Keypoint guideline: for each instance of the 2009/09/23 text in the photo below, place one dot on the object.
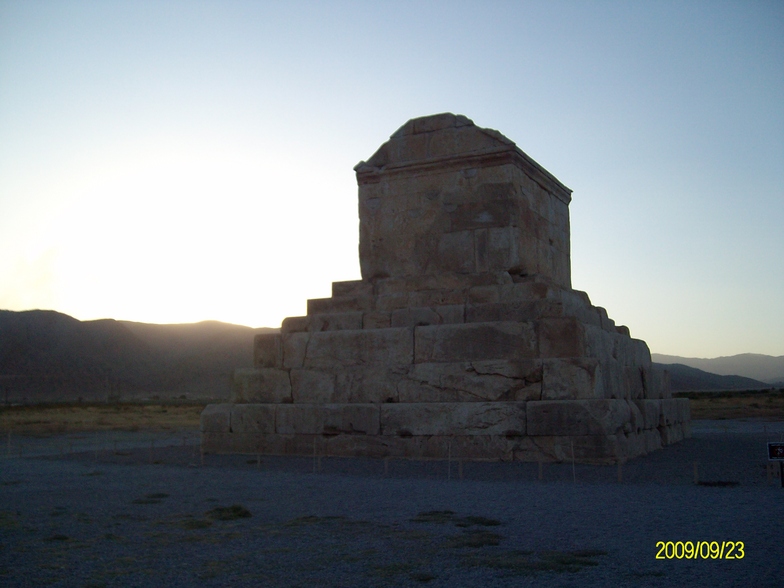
(700, 550)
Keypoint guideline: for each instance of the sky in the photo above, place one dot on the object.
(168, 162)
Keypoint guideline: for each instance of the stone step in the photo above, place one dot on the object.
(255, 437)
(595, 417)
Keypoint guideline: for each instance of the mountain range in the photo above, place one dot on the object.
(765, 368)
(47, 356)
(688, 379)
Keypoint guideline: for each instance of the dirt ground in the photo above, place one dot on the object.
(163, 515)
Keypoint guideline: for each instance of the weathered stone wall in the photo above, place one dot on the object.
(443, 195)
(463, 338)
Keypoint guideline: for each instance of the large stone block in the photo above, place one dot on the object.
(268, 350)
(332, 349)
(642, 355)
(453, 418)
(483, 295)
(261, 385)
(529, 288)
(216, 418)
(635, 382)
(651, 412)
(656, 385)
(352, 419)
(455, 252)
(605, 322)
(327, 419)
(422, 316)
(295, 324)
(373, 383)
(614, 376)
(521, 310)
(315, 386)
(376, 320)
(395, 301)
(338, 321)
(683, 410)
(352, 288)
(561, 337)
(577, 417)
(669, 412)
(413, 317)
(508, 249)
(496, 206)
(294, 347)
(637, 423)
(599, 343)
(572, 378)
(300, 419)
(253, 418)
(339, 304)
(472, 381)
(475, 342)
(577, 304)
(671, 434)
(451, 313)
(436, 298)
(449, 281)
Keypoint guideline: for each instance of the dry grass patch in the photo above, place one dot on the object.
(228, 513)
(48, 420)
(447, 516)
(155, 498)
(764, 404)
(475, 539)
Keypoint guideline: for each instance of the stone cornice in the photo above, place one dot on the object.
(502, 155)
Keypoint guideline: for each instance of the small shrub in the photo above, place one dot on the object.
(481, 521)
(58, 537)
(155, 498)
(228, 513)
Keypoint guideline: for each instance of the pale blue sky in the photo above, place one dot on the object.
(181, 161)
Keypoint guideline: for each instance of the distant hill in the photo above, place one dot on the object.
(765, 368)
(684, 378)
(47, 356)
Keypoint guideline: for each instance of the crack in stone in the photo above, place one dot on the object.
(307, 346)
(291, 385)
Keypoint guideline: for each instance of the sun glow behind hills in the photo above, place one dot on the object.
(203, 224)
(181, 161)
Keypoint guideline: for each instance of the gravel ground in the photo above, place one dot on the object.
(129, 511)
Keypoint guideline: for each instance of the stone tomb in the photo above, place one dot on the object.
(463, 338)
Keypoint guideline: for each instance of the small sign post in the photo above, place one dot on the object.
(776, 453)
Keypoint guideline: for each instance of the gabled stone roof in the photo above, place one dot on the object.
(443, 141)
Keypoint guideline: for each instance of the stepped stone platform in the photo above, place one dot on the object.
(464, 338)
